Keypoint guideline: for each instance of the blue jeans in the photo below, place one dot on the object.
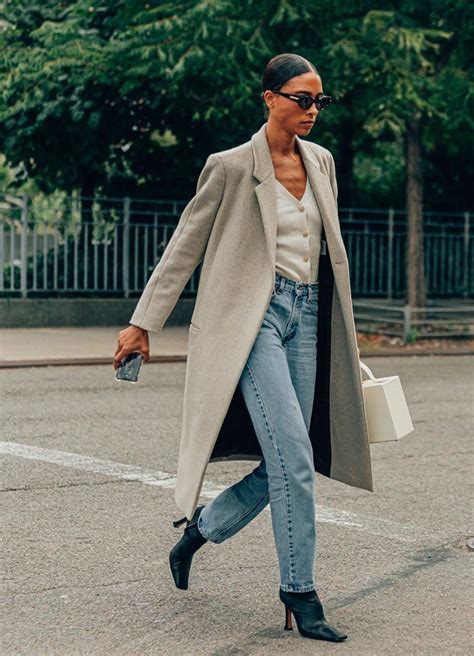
(277, 384)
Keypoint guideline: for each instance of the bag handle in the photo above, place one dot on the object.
(366, 370)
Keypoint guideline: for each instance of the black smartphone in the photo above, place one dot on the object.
(129, 367)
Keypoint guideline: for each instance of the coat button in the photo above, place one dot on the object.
(306, 258)
(306, 233)
(301, 209)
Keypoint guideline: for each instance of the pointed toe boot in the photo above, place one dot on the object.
(309, 615)
(182, 553)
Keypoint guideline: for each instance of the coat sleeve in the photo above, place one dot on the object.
(184, 251)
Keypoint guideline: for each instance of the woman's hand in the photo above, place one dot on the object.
(132, 339)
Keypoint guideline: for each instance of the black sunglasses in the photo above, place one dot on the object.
(305, 101)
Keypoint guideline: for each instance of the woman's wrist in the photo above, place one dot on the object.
(139, 328)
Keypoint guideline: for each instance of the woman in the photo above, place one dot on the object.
(272, 369)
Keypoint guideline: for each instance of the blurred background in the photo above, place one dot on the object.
(109, 109)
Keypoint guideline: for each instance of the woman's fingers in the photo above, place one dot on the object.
(118, 355)
(121, 353)
(132, 339)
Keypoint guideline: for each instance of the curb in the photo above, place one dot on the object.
(61, 362)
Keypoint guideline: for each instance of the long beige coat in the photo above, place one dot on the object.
(230, 226)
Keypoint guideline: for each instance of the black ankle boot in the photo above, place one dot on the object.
(182, 553)
(309, 615)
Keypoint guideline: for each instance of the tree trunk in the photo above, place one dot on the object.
(415, 263)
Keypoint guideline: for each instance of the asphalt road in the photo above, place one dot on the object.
(87, 478)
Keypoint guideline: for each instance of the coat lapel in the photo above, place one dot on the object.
(265, 191)
(320, 184)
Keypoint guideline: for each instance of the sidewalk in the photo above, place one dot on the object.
(26, 347)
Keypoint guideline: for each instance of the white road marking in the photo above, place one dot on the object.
(375, 525)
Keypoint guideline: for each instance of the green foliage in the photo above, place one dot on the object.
(403, 81)
(379, 175)
(130, 97)
(411, 336)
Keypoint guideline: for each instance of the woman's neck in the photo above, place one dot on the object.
(281, 143)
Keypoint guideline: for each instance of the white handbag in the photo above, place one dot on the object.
(386, 409)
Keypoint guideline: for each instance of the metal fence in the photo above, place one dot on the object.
(448, 318)
(110, 246)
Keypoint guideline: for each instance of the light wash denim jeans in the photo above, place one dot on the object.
(278, 383)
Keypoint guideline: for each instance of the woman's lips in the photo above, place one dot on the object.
(308, 123)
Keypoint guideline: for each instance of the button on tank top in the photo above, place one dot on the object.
(298, 234)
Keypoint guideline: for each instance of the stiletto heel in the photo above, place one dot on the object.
(178, 522)
(182, 553)
(288, 625)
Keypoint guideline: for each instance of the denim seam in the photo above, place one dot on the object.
(288, 334)
(285, 479)
(241, 517)
(288, 324)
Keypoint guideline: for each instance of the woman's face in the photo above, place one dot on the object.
(286, 112)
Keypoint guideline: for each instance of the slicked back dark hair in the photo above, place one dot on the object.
(282, 68)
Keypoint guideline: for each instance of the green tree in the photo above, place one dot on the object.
(130, 97)
(410, 87)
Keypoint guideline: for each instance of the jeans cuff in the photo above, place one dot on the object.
(298, 588)
(202, 530)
